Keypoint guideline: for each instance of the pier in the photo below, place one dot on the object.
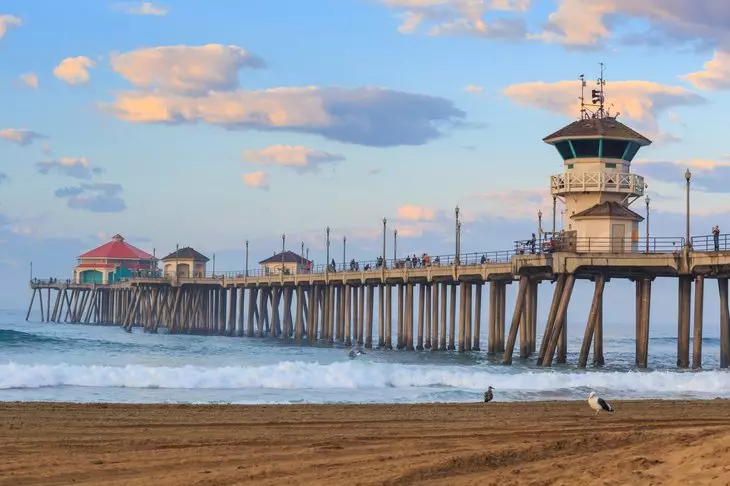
(436, 302)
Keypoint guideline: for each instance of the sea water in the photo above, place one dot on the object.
(83, 363)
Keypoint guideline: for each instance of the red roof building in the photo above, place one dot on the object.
(112, 261)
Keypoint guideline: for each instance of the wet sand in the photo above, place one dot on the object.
(644, 442)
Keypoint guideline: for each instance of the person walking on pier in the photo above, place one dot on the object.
(716, 237)
(532, 243)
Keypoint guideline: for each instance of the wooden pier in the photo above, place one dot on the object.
(437, 307)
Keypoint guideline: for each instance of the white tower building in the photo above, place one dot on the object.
(597, 186)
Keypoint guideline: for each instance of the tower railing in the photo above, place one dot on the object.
(621, 182)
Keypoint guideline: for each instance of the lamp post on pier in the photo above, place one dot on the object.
(177, 257)
(555, 202)
(688, 240)
(327, 261)
(213, 265)
(457, 231)
(283, 249)
(539, 230)
(648, 200)
(385, 227)
(344, 252)
(395, 245)
(247, 258)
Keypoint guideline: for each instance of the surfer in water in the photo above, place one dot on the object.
(355, 352)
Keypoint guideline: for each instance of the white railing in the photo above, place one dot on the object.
(626, 183)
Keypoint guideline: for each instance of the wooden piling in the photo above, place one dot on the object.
(429, 321)
(444, 309)
(722, 285)
(388, 316)
(421, 317)
(598, 338)
(435, 317)
(592, 320)
(493, 316)
(698, 317)
(408, 332)
(468, 312)
(560, 324)
(477, 316)
(400, 339)
(452, 323)
(516, 319)
(381, 315)
(369, 317)
(683, 331)
(557, 294)
(348, 315)
(462, 316)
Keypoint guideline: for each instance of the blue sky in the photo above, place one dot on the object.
(341, 112)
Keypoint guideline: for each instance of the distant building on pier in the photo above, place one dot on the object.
(597, 186)
(290, 261)
(188, 262)
(112, 261)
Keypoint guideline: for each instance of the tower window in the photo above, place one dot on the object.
(614, 149)
(610, 166)
(570, 166)
(564, 149)
(585, 148)
(631, 151)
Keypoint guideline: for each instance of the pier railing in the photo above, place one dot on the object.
(613, 181)
(711, 243)
(657, 244)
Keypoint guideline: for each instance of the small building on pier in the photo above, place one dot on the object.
(113, 261)
(186, 263)
(288, 261)
(597, 186)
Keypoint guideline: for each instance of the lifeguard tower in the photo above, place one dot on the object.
(597, 186)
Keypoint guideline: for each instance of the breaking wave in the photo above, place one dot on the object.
(295, 375)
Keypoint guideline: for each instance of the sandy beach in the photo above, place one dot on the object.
(644, 442)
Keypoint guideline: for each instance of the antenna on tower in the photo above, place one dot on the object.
(598, 95)
(583, 111)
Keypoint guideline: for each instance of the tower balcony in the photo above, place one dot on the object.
(604, 181)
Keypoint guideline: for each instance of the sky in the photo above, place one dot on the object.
(211, 123)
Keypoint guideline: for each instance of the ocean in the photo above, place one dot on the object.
(82, 363)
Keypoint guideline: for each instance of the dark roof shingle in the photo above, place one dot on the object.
(187, 253)
(288, 257)
(598, 127)
(609, 209)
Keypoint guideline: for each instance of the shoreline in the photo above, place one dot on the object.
(556, 442)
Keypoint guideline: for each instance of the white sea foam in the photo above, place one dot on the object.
(293, 375)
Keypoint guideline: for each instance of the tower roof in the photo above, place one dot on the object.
(607, 127)
(187, 253)
(117, 248)
(609, 209)
(286, 257)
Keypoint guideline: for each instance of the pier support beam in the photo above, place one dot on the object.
(468, 312)
(429, 320)
(421, 316)
(493, 316)
(557, 294)
(408, 332)
(699, 314)
(722, 284)
(452, 323)
(369, 317)
(381, 315)
(442, 338)
(683, 321)
(560, 321)
(477, 315)
(388, 316)
(598, 338)
(592, 320)
(400, 339)
(516, 319)
(462, 316)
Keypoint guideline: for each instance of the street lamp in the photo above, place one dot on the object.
(344, 252)
(246, 258)
(688, 176)
(539, 229)
(385, 225)
(283, 249)
(327, 261)
(648, 200)
(456, 232)
(555, 201)
(395, 245)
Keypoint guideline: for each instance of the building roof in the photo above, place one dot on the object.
(111, 266)
(288, 257)
(186, 253)
(609, 209)
(607, 127)
(117, 248)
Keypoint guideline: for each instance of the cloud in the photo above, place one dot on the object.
(74, 70)
(522, 204)
(185, 69)
(97, 197)
(415, 213)
(716, 73)
(8, 21)
(641, 101)
(141, 8)
(257, 180)
(29, 79)
(3, 178)
(461, 17)
(300, 158)
(20, 136)
(366, 116)
(76, 167)
(707, 175)
(473, 88)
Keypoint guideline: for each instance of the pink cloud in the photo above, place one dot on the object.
(416, 213)
(257, 180)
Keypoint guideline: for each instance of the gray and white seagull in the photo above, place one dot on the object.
(598, 403)
(488, 395)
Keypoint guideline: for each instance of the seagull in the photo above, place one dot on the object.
(355, 352)
(598, 403)
(488, 395)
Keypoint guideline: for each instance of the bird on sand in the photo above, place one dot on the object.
(598, 403)
(488, 395)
